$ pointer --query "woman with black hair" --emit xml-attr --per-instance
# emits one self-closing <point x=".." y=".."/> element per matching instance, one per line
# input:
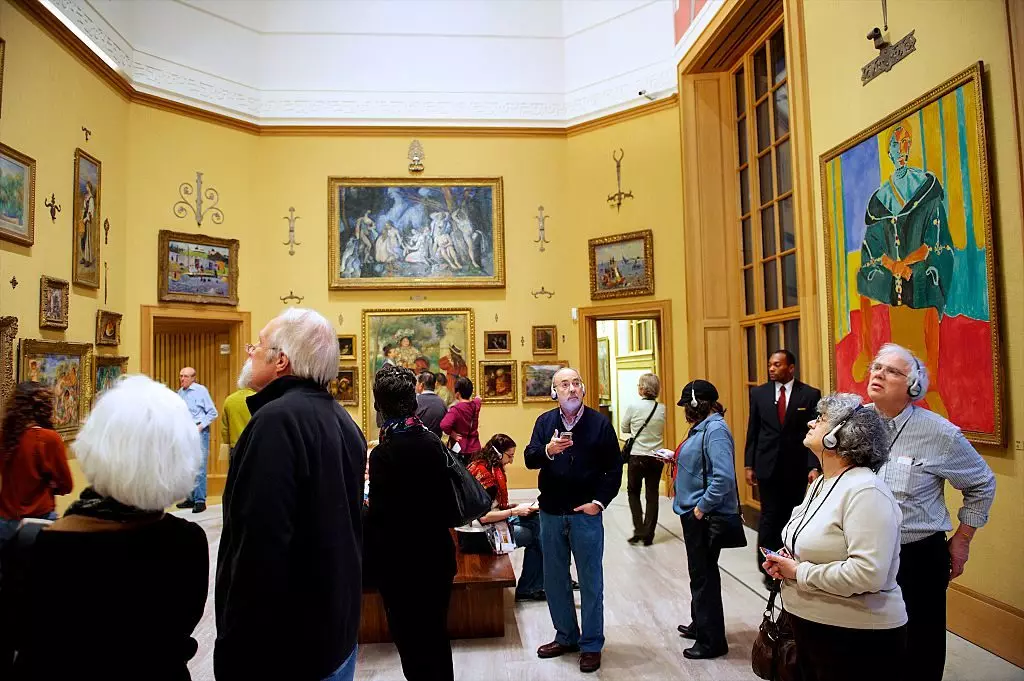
<point x="409" y="477"/>
<point x="462" y="422"/>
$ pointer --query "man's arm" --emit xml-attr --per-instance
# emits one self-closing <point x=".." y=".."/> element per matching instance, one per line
<point x="753" y="428"/>
<point x="611" y="461"/>
<point x="967" y="471"/>
<point x="535" y="455"/>
<point x="210" y="411"/>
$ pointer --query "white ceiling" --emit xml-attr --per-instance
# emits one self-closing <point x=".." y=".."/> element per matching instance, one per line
<point x="441" y="62"/>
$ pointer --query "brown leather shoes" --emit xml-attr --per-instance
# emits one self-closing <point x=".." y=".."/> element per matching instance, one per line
<point x="590" y="662"/>
<point x="555" y="649"/>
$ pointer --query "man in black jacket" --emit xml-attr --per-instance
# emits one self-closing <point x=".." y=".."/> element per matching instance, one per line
<point x="289" y="570"/>
<point x="776" y="459"/>
<point x="430" y="408"/>
<point x="577" y="453"/>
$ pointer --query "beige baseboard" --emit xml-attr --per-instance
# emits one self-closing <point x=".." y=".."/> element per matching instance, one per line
<point x="996" y="627"/>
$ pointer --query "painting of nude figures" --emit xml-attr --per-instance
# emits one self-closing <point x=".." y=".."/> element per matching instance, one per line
<point x="413" y="233"/>
<point x="908" y="234"/>
<point x="85" y="262"/>
<point x="67" y="369"/>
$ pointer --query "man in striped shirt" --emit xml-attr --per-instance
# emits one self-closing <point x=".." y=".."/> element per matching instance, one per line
<point x="926" y="450"/>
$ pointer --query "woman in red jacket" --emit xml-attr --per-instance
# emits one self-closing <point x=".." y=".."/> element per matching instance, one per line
<point x="33" y="463"/>
<point x="462" y="422"/>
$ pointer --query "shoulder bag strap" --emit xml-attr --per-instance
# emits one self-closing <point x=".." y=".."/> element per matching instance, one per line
<point x="649" y="417"/>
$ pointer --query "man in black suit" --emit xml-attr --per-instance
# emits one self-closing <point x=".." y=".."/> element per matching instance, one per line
<point x="430" y="408"/>
<point x="776" y="459"/>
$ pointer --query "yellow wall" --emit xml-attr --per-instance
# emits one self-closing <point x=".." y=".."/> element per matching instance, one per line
<point x="950" y="36"/>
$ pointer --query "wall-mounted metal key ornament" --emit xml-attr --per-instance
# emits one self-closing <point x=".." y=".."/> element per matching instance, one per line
<point x="615" y="200"/>
<point x="291" y="243"/>
<point x="182" y="208"/>
<point x="541" y="226"/>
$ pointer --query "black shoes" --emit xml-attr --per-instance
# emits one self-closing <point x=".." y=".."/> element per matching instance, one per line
<point x="188" y="503"/>
<point x="199" y="507"/>
<point x="687" y="631"/>
<point x="535" y="596"/>
<point x="700" y="652"/>
<point x="635" y="539"/>
<point x="555" y="649"/>
<point x="648" y="541"/>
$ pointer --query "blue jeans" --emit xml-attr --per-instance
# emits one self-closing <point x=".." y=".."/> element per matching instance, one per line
<point x="347" y="670"/>
<point x="199" y="493"/>
<point x="526" y="534"/>
<point x="8" y="528"/>
<point x="584" y="536"/>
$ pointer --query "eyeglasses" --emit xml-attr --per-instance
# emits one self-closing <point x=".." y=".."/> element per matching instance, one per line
<point x="564" y="385"/>
<point x="889" y="371"/>
<point x="251" y="348"/>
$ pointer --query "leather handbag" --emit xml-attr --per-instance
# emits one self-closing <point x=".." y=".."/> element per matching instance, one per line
<point x="725" y="530"/>
<point x="628" y="447"/>
<point x="773" y="657"/>
<point x="469" y="498"/>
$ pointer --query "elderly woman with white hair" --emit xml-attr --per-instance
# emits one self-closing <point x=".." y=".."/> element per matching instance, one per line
<point x="841" y="552"/>
<point x="125" y="581"/>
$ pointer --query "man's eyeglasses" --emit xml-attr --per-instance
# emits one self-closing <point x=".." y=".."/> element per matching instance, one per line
<point x="564" y="385"/>
<point x="889" y="371"/>
<point x="251" y="348"/>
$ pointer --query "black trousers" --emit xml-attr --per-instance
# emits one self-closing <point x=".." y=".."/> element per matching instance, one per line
<point x="417" y="614"/>
<point x="780" y="494"/>
<point x="643" y="471"/>
<point x="923" y="578"/>
<point x="828" y="653"/>
<point x="706" y="613"/>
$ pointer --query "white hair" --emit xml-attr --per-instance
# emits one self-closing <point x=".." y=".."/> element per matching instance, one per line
<point x="309" y="341"/>
<point x="139" y="445"/>
<point x="916" y="368"/>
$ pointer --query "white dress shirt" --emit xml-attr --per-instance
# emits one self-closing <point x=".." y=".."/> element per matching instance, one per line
<point x="789" y="390"/>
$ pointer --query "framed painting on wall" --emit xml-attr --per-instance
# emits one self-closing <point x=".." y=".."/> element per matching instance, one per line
<point x="3" y="50"/>
<point x="17" y="196"/>
<point x="428" y="339"/>
<point x="345" y="387"/>
<point x="54" y="298"/>
<point x="498" y="342"/>
<point x="8" y="332"/>
<point x="393" y="233"/>
<point x="85" y="216"/>
<point x="537" y="379"/>
<point x="544" y="340"/>
<point x="346" y="347"/>
<point x="195" y="268"/>
<point x="909" y="260"/>
<point x="108" y="328"/>
<point x="108" y="369"/>
<point x="67" y="369"/>
<point x="498" y="384"/>
<point x="604" y="369"/>
<point x="622" y="265"/>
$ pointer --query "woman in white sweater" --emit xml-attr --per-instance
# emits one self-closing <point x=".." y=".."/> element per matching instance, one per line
<point x="842" y="552"/>
<point x="644" y="465"/>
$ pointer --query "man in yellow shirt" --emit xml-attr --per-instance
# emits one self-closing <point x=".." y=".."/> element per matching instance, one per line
<point x="234" y="418"/>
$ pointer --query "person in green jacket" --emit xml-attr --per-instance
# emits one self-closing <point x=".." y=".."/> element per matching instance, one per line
<point x="234" y="418"/>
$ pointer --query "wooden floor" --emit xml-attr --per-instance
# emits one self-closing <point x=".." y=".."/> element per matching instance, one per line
<point x="646" y="596"/>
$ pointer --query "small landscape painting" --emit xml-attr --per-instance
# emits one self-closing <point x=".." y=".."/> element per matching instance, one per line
<point x="498" y="381"/>
<point x="17" y="196"/>
<point x="622" y="265"/>
<point x="196" y="268"/>
<point x="537" y="379"/>
<point x="108" y="370"/>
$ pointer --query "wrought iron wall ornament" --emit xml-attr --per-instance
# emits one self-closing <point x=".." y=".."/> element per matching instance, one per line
<point x="291" y="243"/>
<point x="182" y="208"/>
<point x="416" y="157"/>
<point x="542" y="292"/>
<point x="291" y="296"/>
<point x="888" y="57"/>
<point x="615" y="200"/>
<point x="88" y="133"/>
<point x="106" y="231"/>
<point x="52" y="204"/>
<point x="341" y="319"/>
<point x="541" y="225"/>
<point x="14" y="282"/>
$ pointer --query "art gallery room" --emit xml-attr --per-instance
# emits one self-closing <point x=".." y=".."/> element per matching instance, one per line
<point x="646" y="198"/>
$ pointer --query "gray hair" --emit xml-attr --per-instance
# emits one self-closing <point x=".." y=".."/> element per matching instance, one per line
<point x="916" y="368"/>
<point x="863" y="439"/>
<point x="555" y="375"/>
<point x="309" y="341"/>
<point x="649" y="386"/>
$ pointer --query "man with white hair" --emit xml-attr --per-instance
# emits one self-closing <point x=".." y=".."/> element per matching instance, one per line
<point x="289" y="571"/>
<point x="197" y="397"/>
<point x="577" y="452"/>
<point x="926" y="450"/>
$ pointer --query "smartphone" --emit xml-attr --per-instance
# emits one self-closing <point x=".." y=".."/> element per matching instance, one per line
<point x="567" y="435"/>
<point x="766" y="552"/>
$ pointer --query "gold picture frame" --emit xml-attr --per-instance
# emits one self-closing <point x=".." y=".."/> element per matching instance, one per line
<point x="86" y="216"/>
<point x="108" y="328"/>
<point x="197" y="268"/>
<point x="66" y="368"/>
<point x="54" y="299"/>
<point x="3" y="50"/>
<point x="499" y="381"/>
<point x="408" y="233"/>
<point x="498" y="342"/>
<point x="544" y="340"/>
<point x="8" y="332"/>
<point x="18" y="222"/>
<point x="347" y="347"/>
<point x="622" y="266"/>
<point x="536" y="378"/>
<point x="345" y="387"/>
<point x="109" y="368"/>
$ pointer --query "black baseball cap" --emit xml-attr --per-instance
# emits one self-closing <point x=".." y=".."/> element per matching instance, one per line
<point x="704" y="390"/>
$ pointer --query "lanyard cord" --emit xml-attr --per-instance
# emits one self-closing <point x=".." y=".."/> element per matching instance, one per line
<point x="892" y="444"/>
<point x="800" y="526"/>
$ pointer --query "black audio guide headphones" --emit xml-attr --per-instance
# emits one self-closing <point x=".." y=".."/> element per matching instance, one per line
<point x="583" y="390"/>
<point x="914" y="386"/>
<point x="831" y="439"/>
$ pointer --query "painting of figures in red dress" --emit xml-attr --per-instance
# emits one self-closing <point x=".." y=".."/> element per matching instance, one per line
<point x="908" y="241"/>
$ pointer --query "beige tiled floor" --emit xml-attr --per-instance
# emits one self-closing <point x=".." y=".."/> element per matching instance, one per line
<point x="646" y="596"/>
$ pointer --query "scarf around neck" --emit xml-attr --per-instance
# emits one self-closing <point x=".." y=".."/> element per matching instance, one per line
<point x="491" y="476"/>
<point x="94" y="505"/>
<point x="404" y="426"/>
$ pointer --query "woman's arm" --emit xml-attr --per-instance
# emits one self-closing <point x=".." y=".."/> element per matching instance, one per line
<point x="626" y="426"/>
<point x="448" y="422"/>
<point x="719" y="452"/>
<point x="55" y="463"/>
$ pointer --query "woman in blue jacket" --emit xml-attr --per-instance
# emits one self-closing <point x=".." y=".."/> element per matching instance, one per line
<point x="705" y="484"/>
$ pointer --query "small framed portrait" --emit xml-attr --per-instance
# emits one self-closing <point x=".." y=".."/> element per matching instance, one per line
<point x="545" y="340"/>
<point x="347" y="347"/>
<point x="53" y="303"/>
<point x="108" y="328"/>
<point x="345" y="387"/>
<point x="498" y="342"/>
<point x="498" y="381"/>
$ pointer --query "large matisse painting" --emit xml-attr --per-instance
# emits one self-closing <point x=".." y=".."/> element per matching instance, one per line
<point x="440" y="340"/>
<point x="402" y="233"/>
<point x="908" y="241"/>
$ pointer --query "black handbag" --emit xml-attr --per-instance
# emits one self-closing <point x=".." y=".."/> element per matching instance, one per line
<point x="773" y="656"/>
<point x="469" y="498"/>
<point x="725" y="530"/>
<point x="628" y="447"/>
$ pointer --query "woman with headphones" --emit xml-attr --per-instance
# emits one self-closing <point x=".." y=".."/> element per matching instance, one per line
<point x="841" y="552"/>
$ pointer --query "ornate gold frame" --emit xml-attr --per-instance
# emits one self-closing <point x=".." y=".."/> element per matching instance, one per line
<point x="470" y="350"/>
<point x="101" y="317"/>
<point x="76" y="278"/>
<point x="553" y="350"/>
<point x="512" y="397"/>
<point x="16" y="155"/>
<point x="3" y="50"/>
<point x="508" y="343"/>
<point x="973" y="73"/>
<point x="163" y="244"/>
<point x="86" y="379"/>
<point x="8" y="332"/>
<point x="525" y="363"/>
<point x="648" y="289"/>
<point x="355" y="351"/>
<point x="336" y="282"/>
<point x="47" y="284"/>
<point x="354" y="368"/>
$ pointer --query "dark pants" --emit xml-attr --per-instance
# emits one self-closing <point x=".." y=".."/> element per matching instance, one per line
<point x="923" y="578"/>
<point x="828" y="653"/>
<point x="779" y="494"/>
<point x="417" y="614"/>
<point x="526" y="533"/>
<point x="707" y="616"/>
<point x="646" y="471"/>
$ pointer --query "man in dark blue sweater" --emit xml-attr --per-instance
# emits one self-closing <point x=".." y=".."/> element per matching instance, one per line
<point x="577" y="453"/>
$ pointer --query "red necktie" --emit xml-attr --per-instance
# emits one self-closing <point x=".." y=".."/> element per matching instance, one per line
<point x="781" y="405"/>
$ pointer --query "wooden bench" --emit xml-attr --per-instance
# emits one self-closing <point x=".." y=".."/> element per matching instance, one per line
<point x="477" y="607"/>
